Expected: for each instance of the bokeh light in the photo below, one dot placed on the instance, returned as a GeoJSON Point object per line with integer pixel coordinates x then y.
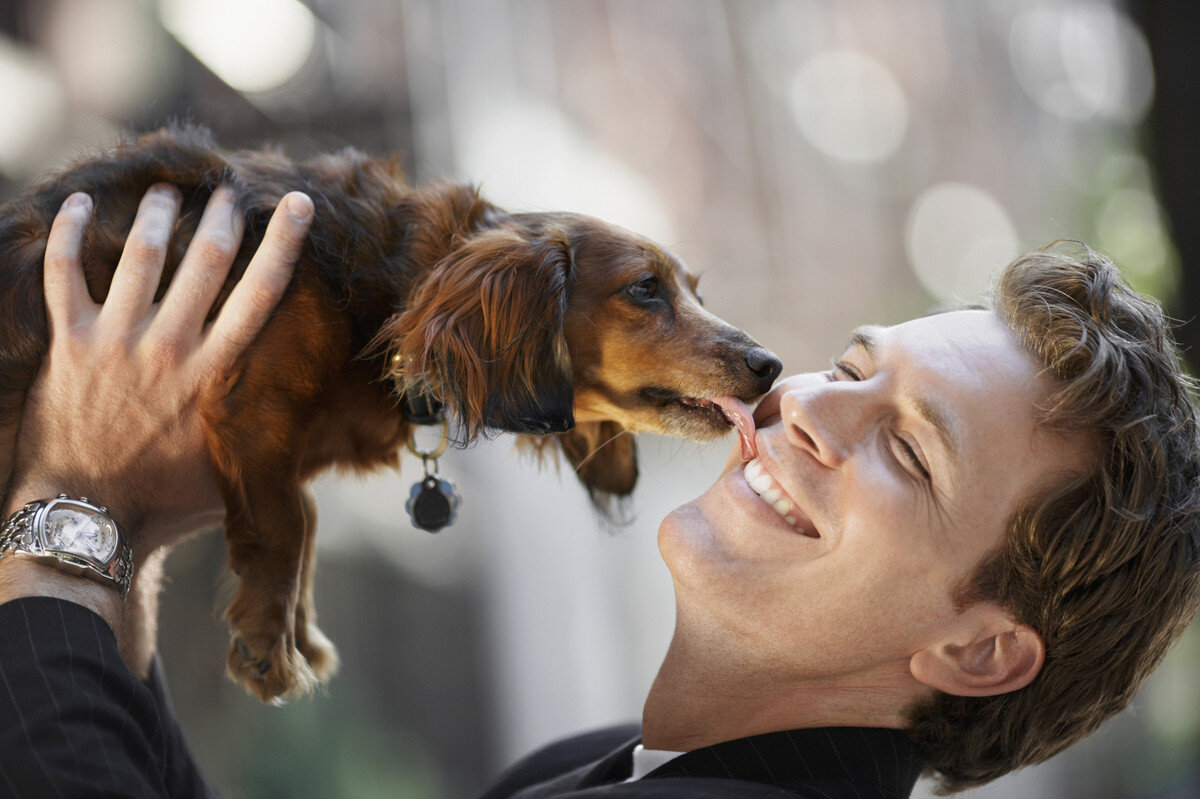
{"type": "Point", "coordinates": [957, 235]}
{"type": "Point", "coordinates": [30, 88]}
{"type": "Point", "coordinates": [116, 73]}
{"type": "Point", "coordinates": [849, 106]}
{"type": "Point", "coordinates": [1081, 61]}
{"type": "Point", "coordinates": [253, 45]}
{"type": "Point", "coordinates": [528, 155]}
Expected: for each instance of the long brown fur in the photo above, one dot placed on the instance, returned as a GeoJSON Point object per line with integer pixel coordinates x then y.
{"type": "Point", "coordinates": [523, 323]}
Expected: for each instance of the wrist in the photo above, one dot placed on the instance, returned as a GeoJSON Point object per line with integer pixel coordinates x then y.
{"type": "Point", "coordinates": [146, 526]}
{"type": "Point", "coordinates": [26, 577]}
{"type": "Point", "coordinates": [70, 535]}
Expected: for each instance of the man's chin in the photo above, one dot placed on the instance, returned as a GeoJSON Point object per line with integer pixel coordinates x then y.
{"type": "Point", "coordinates": [674, 530]}
{"type": "Point", "coordinates": [691, 542]}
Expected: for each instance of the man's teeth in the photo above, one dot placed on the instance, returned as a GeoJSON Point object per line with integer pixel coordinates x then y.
{"type": "Point", "coordinates": [766, 488]}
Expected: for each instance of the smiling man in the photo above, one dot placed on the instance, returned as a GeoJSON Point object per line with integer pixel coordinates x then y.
{"type": "Point", "coordinates": [957, 551]}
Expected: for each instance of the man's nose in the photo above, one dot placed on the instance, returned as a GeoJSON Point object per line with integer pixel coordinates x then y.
{"type": "Point", "coordinates": [821, 419]}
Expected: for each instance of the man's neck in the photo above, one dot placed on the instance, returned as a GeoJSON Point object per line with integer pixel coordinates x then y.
{"type": "Point", "coordinates": [703, 696]}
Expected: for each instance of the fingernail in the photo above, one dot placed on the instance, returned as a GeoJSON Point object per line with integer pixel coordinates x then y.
{"type": "Point", "coordinates": [299, 206]}
{"type": "Point", "coordinates": [165, 189]}
{"type": "Point", "coordinates": [77, 200]}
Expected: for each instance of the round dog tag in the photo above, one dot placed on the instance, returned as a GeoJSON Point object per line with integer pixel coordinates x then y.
{"type": "Point", "coordinates": [432, 503]}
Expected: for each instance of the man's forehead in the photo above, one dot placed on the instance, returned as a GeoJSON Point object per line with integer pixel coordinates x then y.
{"type": "Point", "coordinates": [970, 347]}
{"type": "Point", "coordinates": [947, 326]}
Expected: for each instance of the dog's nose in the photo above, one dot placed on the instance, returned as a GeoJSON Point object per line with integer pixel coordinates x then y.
{"type": "Point", "coordinates": [765, 366]}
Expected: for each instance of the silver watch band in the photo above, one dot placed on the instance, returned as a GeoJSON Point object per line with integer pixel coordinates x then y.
{"type": "Point", "coordinates": [20, 533]}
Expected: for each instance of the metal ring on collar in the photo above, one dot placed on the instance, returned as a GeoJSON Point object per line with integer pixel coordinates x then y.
{"type": "Point", "coordinates": [437, 451]}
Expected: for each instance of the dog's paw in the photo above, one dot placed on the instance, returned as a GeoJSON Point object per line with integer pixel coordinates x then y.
{"type": "Point", "coordinates": [318, 650]}
{"type": "Point", "coordinates": [270, 668]}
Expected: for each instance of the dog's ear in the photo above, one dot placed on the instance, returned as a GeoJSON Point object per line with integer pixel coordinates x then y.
{"type": "Point", "coordinates": [484, 332]}
{"type": "Point", "coordinates": [604, 456]}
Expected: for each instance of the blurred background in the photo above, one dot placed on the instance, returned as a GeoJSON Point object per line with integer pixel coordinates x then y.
{"type": "Point", "coordinates": [821, 164]}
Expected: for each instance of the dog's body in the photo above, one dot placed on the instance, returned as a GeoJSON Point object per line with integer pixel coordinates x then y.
{"type": "Point", "coordinates": [552, 325]}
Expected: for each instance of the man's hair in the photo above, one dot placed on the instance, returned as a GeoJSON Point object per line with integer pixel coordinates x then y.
{"type": "Point", "coordinates": [1106, 565]}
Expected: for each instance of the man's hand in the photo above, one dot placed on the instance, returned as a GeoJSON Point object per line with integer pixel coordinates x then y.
{"type": "Point", "coordinates": [115, 411]}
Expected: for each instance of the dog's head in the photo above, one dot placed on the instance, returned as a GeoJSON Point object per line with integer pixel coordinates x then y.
{"type": "Point", "coordinates": [561, 324]}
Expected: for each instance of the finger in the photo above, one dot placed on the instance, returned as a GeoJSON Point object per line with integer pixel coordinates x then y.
{"type": "Point", "coordinates": [266, 278]}
{"type": "Point", "coordinates": [67, 298]}
{"type": "Point", "coordinates": [140, 268]}
{"type": "Point", "coordinates": [203, 269]}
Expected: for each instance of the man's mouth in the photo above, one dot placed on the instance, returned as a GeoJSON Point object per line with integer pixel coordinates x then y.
{"type": "Point", "coordinates": [765, 486]}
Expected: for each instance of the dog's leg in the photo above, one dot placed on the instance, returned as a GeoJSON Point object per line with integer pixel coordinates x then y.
{"type": "Point", "coordinates": [317, 649]}
{"type": "Point", "coordinates": [265, 531]}
{"type": "Point", "coordinates": [260, 423]}
{"type": "Point", "coordinates": [265, 534]}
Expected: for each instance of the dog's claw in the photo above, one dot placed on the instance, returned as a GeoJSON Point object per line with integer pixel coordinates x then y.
{"type": "Point", "coordinates": [243, 649]}
{"type": "Point", "coordinates": [272, 670]}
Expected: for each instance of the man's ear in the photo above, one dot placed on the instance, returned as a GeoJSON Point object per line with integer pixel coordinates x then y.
{"type": "Point", "coordinates": [988, 654]}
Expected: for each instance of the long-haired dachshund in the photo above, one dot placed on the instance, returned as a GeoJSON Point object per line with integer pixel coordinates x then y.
{"type": "Point", "coordinates": [542, 324]}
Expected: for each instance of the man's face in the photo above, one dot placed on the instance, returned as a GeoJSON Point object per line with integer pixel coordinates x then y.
{"type": "Point", "coordinates": [886, 482]}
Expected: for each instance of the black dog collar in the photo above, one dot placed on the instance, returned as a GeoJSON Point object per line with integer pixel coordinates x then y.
{"type": "Point", "coordinates": [421, 407]}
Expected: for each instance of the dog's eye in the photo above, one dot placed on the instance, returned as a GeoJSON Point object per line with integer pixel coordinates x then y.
{"type": "Point", "coordinates": [644, 290]}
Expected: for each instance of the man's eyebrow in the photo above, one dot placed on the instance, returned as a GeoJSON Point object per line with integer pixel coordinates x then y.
{"type": "Point", "coordinates": [942, 423]}
{"type": "Point", "coordinates": [865, 337]}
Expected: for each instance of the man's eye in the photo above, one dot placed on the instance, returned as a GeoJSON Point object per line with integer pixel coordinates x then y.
{"type": "Point", "coordinates": [910, 455]}
{"type": "Point", "coordinates": [645, 290]}
{"type": "Point", "coordinates": [843, 370]}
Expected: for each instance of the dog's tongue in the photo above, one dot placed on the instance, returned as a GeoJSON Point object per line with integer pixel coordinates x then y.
{"type": "Point", "coordinates": [740, 417]}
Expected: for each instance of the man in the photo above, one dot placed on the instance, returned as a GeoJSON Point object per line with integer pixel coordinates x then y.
{"type": "Point", "coordinates": [979, 528]}
{"type": "Point", "coordinates": [923, 559]}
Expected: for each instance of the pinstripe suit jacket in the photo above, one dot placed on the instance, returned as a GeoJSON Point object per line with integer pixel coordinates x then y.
{"type": "Point", "coordinates": [74, 721]}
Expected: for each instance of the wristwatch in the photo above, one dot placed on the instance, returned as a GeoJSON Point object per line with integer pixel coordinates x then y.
{"type": "Point", "coordinates": [73, 534]}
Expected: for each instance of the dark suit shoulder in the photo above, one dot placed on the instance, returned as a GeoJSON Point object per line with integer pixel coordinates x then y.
{"type": "Point", "coordinates": [708, 788]}
{"type": "Point", "coordinates": [560, 757]}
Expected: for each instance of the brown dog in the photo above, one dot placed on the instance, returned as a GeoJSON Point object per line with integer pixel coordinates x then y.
{"type": "Point", "coordinates": [551, 325]}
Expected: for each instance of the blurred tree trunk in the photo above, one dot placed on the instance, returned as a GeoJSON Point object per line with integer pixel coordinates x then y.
{"type": "Point", "coordinates": [1174, 146]}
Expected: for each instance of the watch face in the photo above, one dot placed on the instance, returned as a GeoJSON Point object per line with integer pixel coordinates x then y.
{"type": "Point", "coordinates": [80, 531]}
